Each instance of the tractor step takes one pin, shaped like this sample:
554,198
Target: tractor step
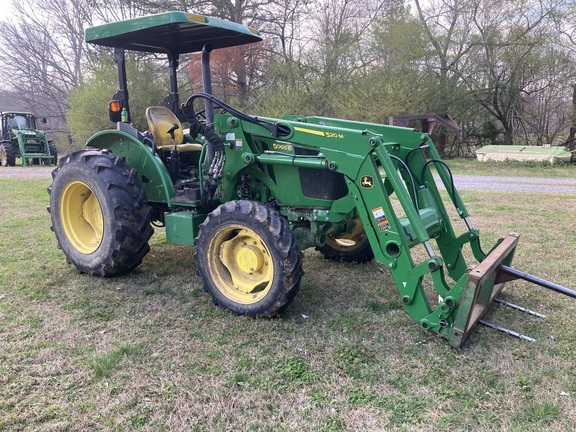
507,331
190,195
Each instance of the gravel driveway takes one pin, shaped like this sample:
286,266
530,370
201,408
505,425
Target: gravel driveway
26,172
519,184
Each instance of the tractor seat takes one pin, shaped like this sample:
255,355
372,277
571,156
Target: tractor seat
160,120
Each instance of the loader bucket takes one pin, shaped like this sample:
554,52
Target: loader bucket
482,288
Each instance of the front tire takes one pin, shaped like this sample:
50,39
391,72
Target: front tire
249,259
7,154
352,246
99,213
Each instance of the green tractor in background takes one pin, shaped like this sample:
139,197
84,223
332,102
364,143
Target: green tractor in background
22,139
250,193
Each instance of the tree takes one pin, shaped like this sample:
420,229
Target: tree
43,51
497,57
396,81
42,54
566,25
236,72
320,66
88,101
282,21
545,113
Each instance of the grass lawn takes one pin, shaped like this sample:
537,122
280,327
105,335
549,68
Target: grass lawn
149,351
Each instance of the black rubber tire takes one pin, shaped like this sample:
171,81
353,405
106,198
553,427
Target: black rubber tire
7,154
354,247
99,213
271,248
53,152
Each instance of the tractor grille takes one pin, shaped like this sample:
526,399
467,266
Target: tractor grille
33,143
321,184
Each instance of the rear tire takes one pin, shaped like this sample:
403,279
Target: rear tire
351,246
99,213
249,259
53,152
7,154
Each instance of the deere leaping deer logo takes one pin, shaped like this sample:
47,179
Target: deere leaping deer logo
367,182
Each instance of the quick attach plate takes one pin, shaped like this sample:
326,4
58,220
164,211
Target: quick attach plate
481,290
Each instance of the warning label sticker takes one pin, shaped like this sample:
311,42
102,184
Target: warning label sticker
381,219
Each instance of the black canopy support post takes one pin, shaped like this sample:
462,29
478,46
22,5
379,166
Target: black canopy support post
172,101
207,83
122,94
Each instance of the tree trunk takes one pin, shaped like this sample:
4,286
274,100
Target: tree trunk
570,142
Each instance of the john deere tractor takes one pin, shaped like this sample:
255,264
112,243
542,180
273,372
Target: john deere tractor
22,139
250,193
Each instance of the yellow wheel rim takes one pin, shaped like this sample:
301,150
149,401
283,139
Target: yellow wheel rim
240,264
82,217
349,240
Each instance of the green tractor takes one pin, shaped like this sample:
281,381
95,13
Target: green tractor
22,139
250,193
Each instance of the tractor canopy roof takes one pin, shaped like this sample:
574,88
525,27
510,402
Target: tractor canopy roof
15,113
171,32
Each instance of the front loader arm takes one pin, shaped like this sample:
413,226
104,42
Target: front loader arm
400,169
391,241
388,173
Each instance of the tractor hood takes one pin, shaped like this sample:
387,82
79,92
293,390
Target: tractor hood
171,32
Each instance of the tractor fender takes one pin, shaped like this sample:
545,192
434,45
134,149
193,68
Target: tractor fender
152,172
